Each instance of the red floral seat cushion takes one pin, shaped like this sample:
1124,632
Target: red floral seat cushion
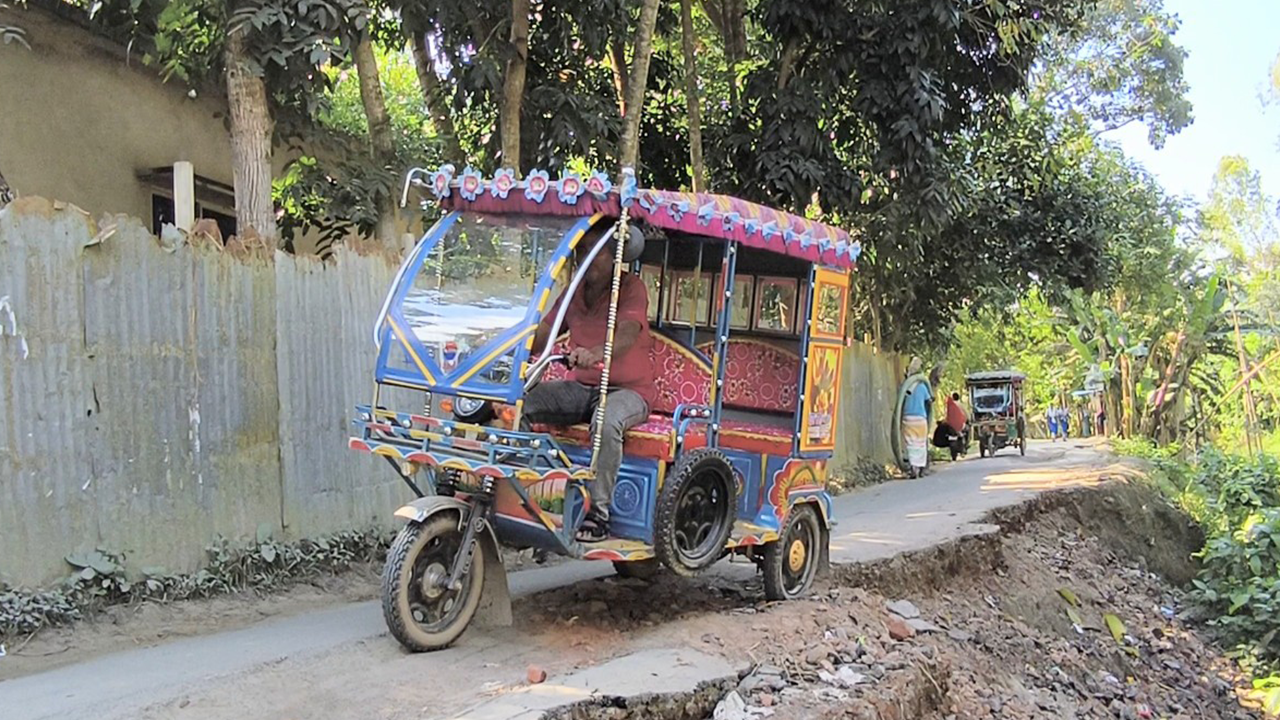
756,437
682,378
759,376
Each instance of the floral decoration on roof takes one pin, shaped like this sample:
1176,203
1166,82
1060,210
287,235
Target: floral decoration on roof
718,216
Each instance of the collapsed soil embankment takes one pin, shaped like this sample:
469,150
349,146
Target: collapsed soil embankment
1071,609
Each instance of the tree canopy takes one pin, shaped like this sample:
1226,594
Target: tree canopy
957,139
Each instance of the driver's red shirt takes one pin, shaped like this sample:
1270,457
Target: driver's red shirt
587,327
956,416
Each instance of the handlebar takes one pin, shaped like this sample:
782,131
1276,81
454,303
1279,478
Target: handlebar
538,368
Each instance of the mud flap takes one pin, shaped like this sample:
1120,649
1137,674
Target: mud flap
494,610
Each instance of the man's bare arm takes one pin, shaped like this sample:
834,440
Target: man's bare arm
624,336
542,335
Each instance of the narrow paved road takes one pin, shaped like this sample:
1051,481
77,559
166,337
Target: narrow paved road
339,661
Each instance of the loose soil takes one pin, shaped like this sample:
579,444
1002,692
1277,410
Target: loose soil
1011,626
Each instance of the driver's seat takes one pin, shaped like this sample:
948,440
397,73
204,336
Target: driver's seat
682,376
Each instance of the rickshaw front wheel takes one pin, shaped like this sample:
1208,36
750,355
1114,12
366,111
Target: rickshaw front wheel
421,613
791,561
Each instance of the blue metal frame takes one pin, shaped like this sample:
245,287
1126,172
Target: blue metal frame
446,382
804,363
728,271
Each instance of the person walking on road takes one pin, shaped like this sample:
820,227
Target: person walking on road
915,426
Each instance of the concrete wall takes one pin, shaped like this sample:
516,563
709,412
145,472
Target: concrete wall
79,119
153,398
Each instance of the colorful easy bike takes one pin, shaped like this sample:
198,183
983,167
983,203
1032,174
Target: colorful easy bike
747,309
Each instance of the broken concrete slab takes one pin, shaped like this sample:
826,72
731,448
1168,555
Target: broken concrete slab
904,609
648,672
920,625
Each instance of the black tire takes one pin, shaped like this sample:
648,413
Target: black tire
791,561
480,414
695,513
955,453
424,547
638,569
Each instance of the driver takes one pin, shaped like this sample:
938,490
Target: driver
631,388
956,417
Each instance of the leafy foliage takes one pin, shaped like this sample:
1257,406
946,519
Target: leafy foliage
1237,501
1120,65
953,135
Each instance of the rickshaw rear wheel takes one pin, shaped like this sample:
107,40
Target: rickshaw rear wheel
791,561
695,512
638,569
419,614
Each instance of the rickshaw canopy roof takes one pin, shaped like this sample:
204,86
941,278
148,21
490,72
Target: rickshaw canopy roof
993,377
704,214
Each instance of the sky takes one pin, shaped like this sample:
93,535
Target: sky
1231,45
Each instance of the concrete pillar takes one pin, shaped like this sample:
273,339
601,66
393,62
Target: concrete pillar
184,195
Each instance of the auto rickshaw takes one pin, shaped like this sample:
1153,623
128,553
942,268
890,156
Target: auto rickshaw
747,310
998,420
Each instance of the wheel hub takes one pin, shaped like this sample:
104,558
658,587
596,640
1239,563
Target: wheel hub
796,556
433,581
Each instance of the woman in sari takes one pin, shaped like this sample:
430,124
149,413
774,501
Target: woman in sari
915,424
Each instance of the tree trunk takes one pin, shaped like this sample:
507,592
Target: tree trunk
513,84
251,128
618,61
787,64
1127,395
1250,409
693,97
381,136
638,83
433,95
375,104
1156,413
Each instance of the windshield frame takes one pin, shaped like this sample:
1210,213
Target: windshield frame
395,333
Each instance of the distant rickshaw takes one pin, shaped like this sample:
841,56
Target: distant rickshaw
996,398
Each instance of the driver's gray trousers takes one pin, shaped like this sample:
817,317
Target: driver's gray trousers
570,403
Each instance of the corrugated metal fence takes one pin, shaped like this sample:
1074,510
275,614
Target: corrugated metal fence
156,397
870,392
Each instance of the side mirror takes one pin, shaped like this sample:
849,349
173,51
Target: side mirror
634,246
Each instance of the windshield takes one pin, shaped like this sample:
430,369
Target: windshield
990,400
477,284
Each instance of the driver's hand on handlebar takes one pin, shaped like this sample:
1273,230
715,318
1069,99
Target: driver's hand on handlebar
585,357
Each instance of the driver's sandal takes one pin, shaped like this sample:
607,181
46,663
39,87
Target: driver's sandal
594,529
